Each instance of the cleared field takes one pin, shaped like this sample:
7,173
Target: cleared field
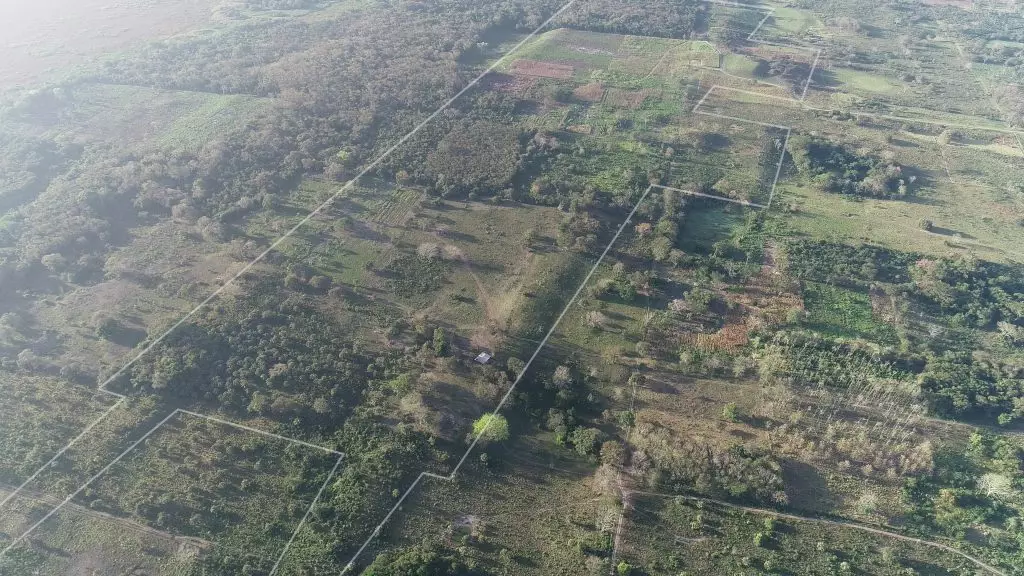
119,114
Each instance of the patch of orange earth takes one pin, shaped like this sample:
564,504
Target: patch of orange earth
542,69
592,92
509,83
628,98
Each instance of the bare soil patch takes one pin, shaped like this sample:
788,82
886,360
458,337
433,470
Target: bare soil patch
510,84
592,92
628,98
541,69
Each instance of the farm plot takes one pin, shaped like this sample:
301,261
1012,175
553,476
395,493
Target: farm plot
228,498
724,157
565,54
658,60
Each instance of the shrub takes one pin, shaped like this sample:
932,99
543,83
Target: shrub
730,412
490,428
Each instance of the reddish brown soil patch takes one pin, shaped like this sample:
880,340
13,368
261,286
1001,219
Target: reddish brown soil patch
730,337
517,85
540,69
592,92
627,98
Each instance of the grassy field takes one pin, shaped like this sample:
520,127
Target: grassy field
840,312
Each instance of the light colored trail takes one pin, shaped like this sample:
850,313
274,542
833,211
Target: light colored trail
839,523
61,452
305,516
476,440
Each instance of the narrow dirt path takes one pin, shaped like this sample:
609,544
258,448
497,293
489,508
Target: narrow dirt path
840,523
124,522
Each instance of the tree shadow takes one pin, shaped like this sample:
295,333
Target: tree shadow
942,231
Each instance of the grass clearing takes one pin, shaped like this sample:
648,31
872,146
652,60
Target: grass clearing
859,81
843,313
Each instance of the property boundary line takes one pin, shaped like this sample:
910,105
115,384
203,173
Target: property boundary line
711,196
451,476
61,452
134,445
245,269
504,399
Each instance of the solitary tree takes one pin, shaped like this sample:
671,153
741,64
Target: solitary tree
490,428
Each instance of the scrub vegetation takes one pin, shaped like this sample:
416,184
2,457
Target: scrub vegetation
782,244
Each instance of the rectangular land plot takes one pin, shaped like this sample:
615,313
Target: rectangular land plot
232,496
724,157
88,541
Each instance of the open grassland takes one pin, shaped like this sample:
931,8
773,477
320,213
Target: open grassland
110,113
962,182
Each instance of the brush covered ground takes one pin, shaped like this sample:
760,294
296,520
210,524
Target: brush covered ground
830,329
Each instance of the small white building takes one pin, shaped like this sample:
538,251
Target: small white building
483,358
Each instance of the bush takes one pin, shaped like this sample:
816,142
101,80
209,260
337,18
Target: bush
730,412
490,428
